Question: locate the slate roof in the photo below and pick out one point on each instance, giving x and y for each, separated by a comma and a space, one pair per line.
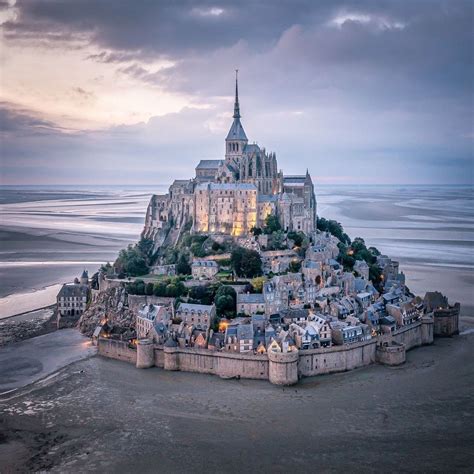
227, 186
267, 198
195, 307
209, 164
68, 291
149, 311
250, 298
244, 331
204, 263
297, 180
251, 148
236, 131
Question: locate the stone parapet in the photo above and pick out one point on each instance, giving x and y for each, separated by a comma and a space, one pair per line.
278, 367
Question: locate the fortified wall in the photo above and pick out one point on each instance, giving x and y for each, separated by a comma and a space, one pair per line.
277, 367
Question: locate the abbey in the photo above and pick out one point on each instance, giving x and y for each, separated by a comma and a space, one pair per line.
233, 195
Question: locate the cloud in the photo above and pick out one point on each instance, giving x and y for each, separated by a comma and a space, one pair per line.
383, 89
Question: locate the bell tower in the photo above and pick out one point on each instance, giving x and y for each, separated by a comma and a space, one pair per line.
236, 138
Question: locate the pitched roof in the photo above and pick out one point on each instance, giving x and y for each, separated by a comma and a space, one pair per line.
204, 263
227, 186
195, 307
253, 147
209, 164
236, 131
73, 290
245, 331
250, 298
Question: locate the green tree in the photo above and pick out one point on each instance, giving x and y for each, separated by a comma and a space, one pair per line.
159, 288
246, 263
131, 261
183, 267
277, 241
197, 250
296, 237
256, 231
294, 266
257, 284
225, 301
136, 288
272, 224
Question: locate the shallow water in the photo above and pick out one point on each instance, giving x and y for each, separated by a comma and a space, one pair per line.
49, 234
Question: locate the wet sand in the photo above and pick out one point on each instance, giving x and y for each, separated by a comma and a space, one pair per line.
104, 415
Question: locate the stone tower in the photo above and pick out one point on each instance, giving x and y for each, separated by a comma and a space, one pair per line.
236, 138
84, 278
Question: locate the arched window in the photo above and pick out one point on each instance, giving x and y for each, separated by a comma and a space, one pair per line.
237, 146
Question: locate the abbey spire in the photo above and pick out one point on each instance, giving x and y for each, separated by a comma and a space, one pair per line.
236, 103
236, 138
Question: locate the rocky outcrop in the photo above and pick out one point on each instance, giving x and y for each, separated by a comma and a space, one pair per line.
118, 307
111, 304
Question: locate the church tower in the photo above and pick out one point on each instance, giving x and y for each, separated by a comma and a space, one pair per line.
236, 138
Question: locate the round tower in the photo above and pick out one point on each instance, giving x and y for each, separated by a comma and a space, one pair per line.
145, 354
283, 367
84, 278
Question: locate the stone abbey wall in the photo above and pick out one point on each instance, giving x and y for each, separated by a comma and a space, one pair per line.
336, 358
116, 350
279, 368
216, 363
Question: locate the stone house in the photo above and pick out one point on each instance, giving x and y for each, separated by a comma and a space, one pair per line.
323, 327
364, 299
275, 297
305, 337
387, 324
204, 269
445, 316
245, 338
259, 321
216, 341
343, 307
346, 333
404, 313
147, 316
198, 315
313, 272
71, 303
294, 316
231, 341
199, 339
250, 303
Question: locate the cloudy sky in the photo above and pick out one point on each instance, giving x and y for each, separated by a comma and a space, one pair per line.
138, 91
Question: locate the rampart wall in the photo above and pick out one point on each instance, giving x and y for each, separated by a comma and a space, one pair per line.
279, 368
114, 349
